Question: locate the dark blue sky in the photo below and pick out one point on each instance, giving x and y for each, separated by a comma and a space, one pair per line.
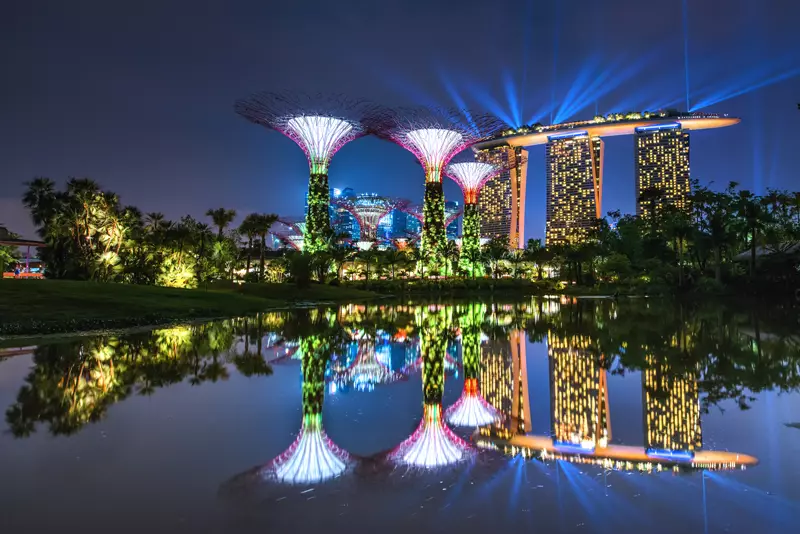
140, 96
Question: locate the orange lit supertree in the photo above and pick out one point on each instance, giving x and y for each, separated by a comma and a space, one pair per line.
434, 136
320, 125
471, 409
471, 177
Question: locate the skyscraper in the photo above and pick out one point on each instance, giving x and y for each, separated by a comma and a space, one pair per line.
574, 186
342, 222
502, 200
662, 163
578, 393
454, 228
671, 409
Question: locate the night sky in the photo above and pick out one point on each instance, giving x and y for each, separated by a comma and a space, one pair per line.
140, 97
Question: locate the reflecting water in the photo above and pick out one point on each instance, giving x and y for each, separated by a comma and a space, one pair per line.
558, 414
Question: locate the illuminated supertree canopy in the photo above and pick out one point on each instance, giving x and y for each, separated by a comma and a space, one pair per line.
320, 125
471, 177
368, 210
434, 136
313, 457
432, 444
471, 409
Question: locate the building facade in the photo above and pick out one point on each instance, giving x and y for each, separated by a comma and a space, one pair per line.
574, 187
662, 164
501, 202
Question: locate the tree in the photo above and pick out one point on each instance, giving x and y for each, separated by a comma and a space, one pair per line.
222, 218
450, 254
248, 228
750, 209
393, 258
495, 250
261, 225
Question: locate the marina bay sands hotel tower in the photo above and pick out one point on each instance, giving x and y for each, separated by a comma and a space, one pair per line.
574, 159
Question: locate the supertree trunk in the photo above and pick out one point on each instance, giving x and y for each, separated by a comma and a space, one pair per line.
434, 234
471, 240
318, 221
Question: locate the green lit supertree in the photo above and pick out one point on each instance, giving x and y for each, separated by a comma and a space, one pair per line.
471, 177
432, 444
434, 136
320, 125
313, 457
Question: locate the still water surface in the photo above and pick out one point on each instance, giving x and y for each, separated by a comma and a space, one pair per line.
363, 418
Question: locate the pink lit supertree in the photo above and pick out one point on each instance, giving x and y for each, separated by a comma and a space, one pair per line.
320, 125
368, 210
432, 444
434, 136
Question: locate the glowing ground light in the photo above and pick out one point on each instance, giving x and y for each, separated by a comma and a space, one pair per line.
471, 409
471, 177
312, 458
434, 147
319, 137
432, 445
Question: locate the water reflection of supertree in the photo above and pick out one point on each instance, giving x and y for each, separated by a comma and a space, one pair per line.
433, 444
472, 409
313, 457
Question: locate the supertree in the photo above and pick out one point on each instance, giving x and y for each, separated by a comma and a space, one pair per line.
471, 409
434, 136
368, 211
313, 457
432, 444
471, 177
291, 233
320, 125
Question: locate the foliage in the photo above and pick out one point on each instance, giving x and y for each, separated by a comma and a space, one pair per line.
471, 240
434, 235
318, 222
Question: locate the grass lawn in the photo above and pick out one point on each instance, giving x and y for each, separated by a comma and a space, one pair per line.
32, 307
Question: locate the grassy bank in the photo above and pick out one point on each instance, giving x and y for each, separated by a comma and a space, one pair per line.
36, 307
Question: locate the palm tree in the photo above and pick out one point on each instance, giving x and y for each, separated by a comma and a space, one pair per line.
751, 209
222, 219
248, 228
40, 198
393, 258
516, 257
474, 257
450, 253
496, 250
263, 223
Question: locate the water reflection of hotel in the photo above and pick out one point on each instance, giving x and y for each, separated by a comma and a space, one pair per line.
578, 393
504, 378
671, 409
